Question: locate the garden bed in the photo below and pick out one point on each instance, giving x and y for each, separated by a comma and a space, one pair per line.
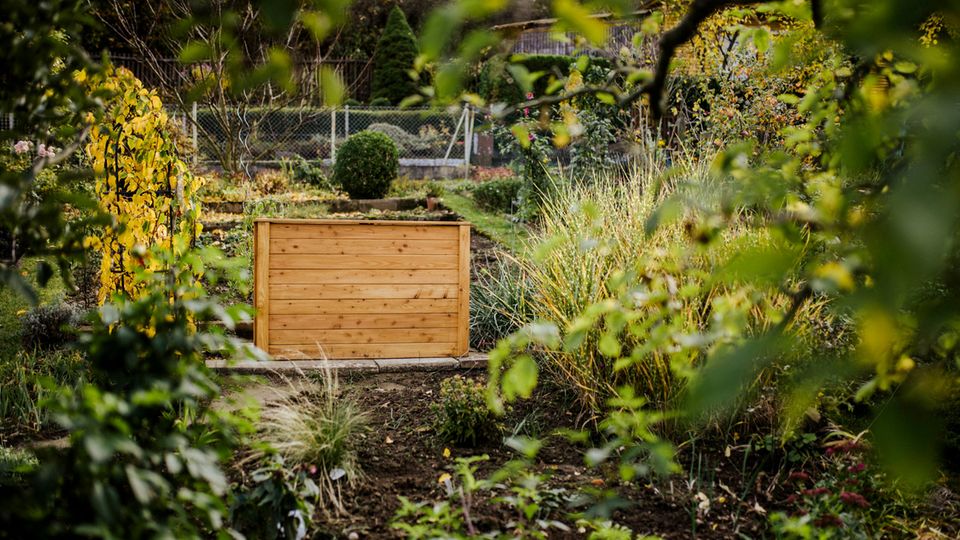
401, 456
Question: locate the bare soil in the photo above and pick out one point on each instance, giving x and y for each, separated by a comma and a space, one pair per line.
402, 457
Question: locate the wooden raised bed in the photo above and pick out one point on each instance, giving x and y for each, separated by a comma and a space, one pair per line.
361, 289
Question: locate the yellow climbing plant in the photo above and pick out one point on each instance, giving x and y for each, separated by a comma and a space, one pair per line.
141, 181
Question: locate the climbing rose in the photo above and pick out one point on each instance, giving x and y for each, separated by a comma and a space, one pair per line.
22, 147
45, 151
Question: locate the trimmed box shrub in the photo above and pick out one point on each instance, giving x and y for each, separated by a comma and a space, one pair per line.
366, 165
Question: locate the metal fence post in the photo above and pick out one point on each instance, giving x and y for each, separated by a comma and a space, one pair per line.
467, 140
346, 121
10, 117
333, 134
193, 134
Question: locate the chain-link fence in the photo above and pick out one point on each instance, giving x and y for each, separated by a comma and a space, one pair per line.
424, 137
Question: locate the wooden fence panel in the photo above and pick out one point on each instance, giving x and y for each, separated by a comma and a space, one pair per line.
361, 289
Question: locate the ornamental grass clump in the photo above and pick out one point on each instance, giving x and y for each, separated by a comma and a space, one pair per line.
639, 305
317, 428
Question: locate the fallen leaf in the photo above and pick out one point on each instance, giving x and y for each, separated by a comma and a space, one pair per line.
389, 440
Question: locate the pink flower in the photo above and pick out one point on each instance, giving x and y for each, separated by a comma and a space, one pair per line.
45, 151
854, 499
313, 469
22, 147
815, 492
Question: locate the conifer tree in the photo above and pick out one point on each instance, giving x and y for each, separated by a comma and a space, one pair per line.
396, 52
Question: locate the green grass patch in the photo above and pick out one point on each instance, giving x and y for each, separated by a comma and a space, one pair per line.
498, 228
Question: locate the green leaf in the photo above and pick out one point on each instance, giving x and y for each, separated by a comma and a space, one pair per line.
521, 378
609, 345
195, 51
574, 16
331, 86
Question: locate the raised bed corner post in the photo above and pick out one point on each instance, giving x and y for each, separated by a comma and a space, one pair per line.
463, 292
261, 284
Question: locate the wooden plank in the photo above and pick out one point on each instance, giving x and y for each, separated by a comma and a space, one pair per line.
363, 246
379, 320
360, 336
363, 222
384, 232
309, 277
367, 305
336, 292
372, 261
463, 293
261, 280
375, 350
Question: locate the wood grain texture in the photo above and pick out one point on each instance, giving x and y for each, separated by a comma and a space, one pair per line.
286, 291
261, 281
364, 305
361, 289
320, 277
377, 350
463, 292
385, 232
362, 336
379, 320
362, 246
372, 261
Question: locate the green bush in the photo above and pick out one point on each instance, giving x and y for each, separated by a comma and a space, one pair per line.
366, 165
380, 102
462, 417
395, 56
307, 172
498, 195
350, 102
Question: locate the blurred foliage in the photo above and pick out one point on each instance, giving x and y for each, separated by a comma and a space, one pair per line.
47, 106
145, 445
